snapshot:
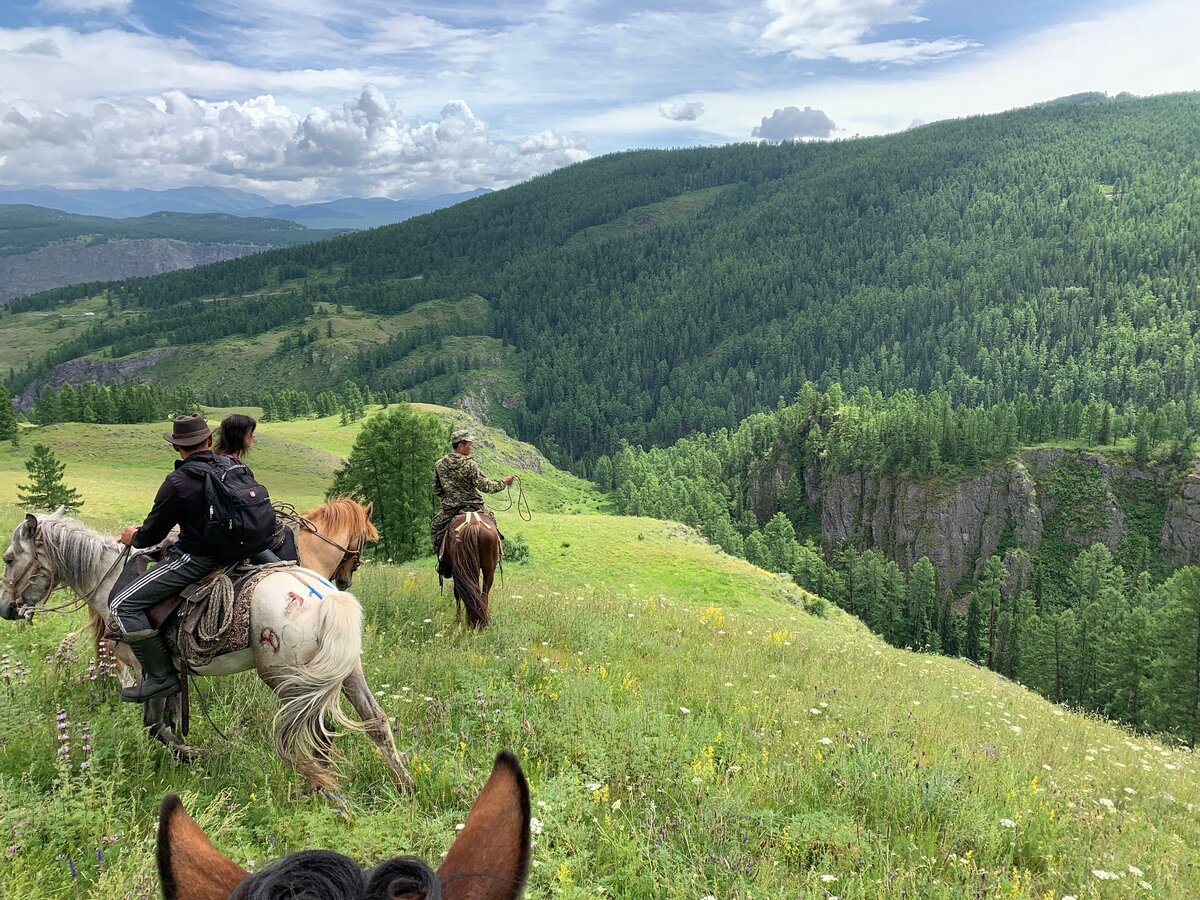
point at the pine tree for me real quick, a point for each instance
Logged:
(8, 418)
(974, 639)
(922, 596)
(390, 466)
(46, 490)
(1177, 668)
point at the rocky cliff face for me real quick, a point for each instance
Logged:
(1079, 497)
(101, 371)
(73, 262)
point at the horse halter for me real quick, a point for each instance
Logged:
(38, 564)
(350, 561)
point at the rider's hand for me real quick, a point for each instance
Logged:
(126, 536)
(509, 479)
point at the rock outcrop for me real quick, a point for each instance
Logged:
(959, 524)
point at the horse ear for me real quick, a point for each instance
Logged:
(367, 510)
(190, 867)
(58, 513)
(490, 858)
(31, 526)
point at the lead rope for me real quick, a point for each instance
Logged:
(522, 504)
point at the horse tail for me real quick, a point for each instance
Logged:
(311, 692)
(465, 563)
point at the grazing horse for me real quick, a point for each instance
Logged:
(305, 641)
(473, 549)
(488, 861)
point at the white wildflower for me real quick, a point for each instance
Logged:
(1016, 729)
(1105, 876)
(535, 825)
(828, 879)
(826, 741)
(1107, 804)
(1130, 791)
(1008, 823)
(684, 710)
(815, 711)
(1134, 870)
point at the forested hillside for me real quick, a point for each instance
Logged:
(1047, 251)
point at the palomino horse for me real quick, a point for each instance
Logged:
(473, 549)
(306, 641)
(488, 861)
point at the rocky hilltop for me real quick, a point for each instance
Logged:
(71, 262)
(1073, 498)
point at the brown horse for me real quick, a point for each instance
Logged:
(488, 861)
(473, 550)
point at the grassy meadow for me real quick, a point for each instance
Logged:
(692, 727)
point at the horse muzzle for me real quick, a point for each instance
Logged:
(9, 610)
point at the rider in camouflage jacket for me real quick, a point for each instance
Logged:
(457, 483)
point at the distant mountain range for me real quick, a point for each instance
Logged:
(349, 212)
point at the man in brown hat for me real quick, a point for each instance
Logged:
(180, 501)
(457, 481)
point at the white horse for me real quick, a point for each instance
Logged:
(305, 641)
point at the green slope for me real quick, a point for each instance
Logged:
(688, 729)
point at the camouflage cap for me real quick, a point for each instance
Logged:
(462, 434)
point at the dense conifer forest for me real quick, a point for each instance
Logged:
(1046, 252)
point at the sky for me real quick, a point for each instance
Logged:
(307, 100)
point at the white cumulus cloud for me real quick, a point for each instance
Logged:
(689, 111)
(791, 122)
(364, 147)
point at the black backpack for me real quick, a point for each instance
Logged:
(239, 520)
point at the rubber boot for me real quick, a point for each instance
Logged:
(158, 671)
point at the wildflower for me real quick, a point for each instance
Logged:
(1107, 804)
(825, 740)
(1134, 870)
(815, 711)
(1015, 729)
(1130, 791)
(535, 825)
(1102, 875)
(828, 879)
(684, 710)
(1008, 823)
(1145, 885)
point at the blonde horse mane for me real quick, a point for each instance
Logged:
(342, 514)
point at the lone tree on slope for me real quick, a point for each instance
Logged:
(46, 490)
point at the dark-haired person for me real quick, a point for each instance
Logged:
(235, 437)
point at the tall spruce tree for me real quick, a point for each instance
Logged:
(46, 490)
(1177, 675)
(390, 466)
(8, 418)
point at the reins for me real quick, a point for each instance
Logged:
(523, 511)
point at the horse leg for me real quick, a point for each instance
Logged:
(378, 728)
(489, 578)
(154, 717)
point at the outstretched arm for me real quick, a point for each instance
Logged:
(486, 485)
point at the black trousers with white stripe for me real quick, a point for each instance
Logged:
(176, 571)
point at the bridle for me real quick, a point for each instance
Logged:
(16, 584)
(352, 556)
(40, 558)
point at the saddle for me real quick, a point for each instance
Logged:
(461, 522)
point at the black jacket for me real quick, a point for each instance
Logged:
(180, 501)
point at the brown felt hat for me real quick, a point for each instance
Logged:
(188, 431)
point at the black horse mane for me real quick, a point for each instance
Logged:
(326, 875)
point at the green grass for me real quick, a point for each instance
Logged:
(687, 729)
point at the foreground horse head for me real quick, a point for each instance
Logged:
(28, 577)
(489, 859)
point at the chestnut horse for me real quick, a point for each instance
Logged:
(473, 550)
(488, 861)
